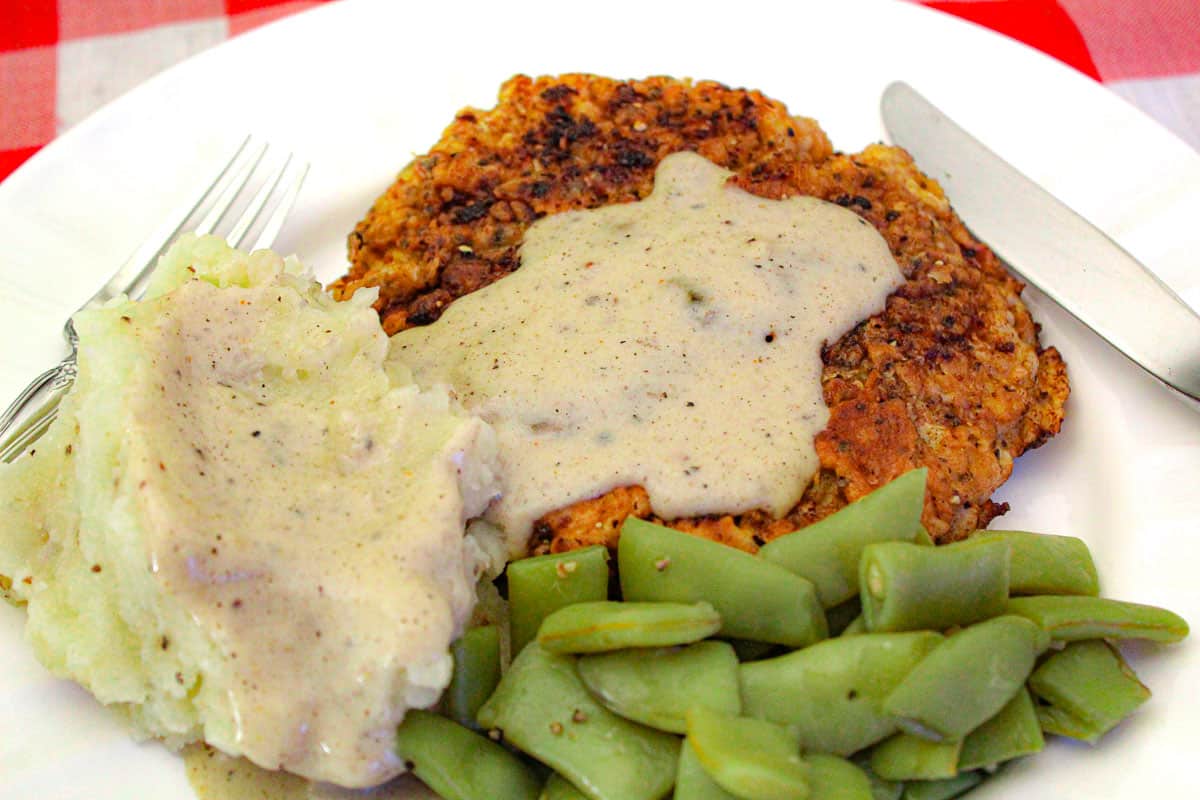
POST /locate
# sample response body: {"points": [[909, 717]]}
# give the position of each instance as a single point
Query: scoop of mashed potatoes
{"points": [[241, 528]]}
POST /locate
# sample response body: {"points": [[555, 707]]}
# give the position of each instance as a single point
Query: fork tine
{"points": [[275, 222], [229, 193], [143, 259], [242, 226]]}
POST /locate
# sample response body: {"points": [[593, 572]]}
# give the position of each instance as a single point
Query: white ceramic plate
{"points": [[359, 87]]}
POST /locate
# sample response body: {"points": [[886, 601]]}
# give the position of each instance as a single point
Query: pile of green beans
{"points": [[851, 660]]}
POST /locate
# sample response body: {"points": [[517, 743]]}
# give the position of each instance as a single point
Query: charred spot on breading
{"points": [[949, 376]]}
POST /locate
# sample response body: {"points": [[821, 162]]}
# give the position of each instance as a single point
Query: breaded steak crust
{"points": [[949, 376]]}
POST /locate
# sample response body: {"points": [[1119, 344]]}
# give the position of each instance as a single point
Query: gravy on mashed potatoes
{"points": [[241, 528]]}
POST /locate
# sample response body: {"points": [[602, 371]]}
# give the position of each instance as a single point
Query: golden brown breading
{"points": [[454, 218], [950, 376]]}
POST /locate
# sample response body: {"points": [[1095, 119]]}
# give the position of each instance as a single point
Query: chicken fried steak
{"points": [[949, 376]]}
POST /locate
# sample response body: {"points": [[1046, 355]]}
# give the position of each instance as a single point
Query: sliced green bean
{"points": [[966, 679], [753, 651], [835, 778], [692, 781], [559, 788], [459, 764], [827, 552], [1059, 723], [476, 673], [606, 625], [1047, 564], [750, 758], [832, 693], [946, 789], [1012, 733], [1072, 619], [857, 626], [924, 537], [541, 585], [843, 615], [1092, 684], [756, 599], [910, 587], [880, 789], [657, 686], [542, 707], [911, 758]]}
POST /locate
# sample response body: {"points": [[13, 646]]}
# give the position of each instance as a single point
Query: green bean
{"points": [[657, 686], [749, 758], [966, 679], [692, 782], [880, 788], [1046, 564], [605, 625], [1059, 723], [910, 587], [756, 599], [476, 673], [911, 758], [748, 650], [835, 778], [542, 707], [1012, 733], [1092, 684], [843, 615], [946, 789], [559, 788], [924, 537], [857, 626], [832, 693], [827, 552], [541, 585], [1072, 619], [459, 764]]}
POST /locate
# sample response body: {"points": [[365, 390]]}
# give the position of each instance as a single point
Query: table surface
{"points": [[60, 60]]}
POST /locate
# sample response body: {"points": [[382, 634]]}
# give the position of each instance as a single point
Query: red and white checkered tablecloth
{"points": [[62, 59]]}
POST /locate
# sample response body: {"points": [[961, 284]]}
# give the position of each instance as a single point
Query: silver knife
{"points": [[1051, 246]]}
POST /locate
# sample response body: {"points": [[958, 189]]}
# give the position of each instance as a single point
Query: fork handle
{"points": [[43, 395], [35, 386]]}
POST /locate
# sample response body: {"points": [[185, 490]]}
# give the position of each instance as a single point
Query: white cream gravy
{"points": [[309, 517], [672, 343]]}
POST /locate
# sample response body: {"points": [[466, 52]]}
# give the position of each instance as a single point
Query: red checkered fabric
{"points": [[62, 59], [53, 53]]}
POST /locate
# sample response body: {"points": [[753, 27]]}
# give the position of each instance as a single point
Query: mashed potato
{"points": [[241, 528]]}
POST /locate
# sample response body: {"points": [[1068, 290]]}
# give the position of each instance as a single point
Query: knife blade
{"points": [[1049, 245]]}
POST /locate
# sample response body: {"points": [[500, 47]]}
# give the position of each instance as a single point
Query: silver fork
{"points": [[239, 183]]}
